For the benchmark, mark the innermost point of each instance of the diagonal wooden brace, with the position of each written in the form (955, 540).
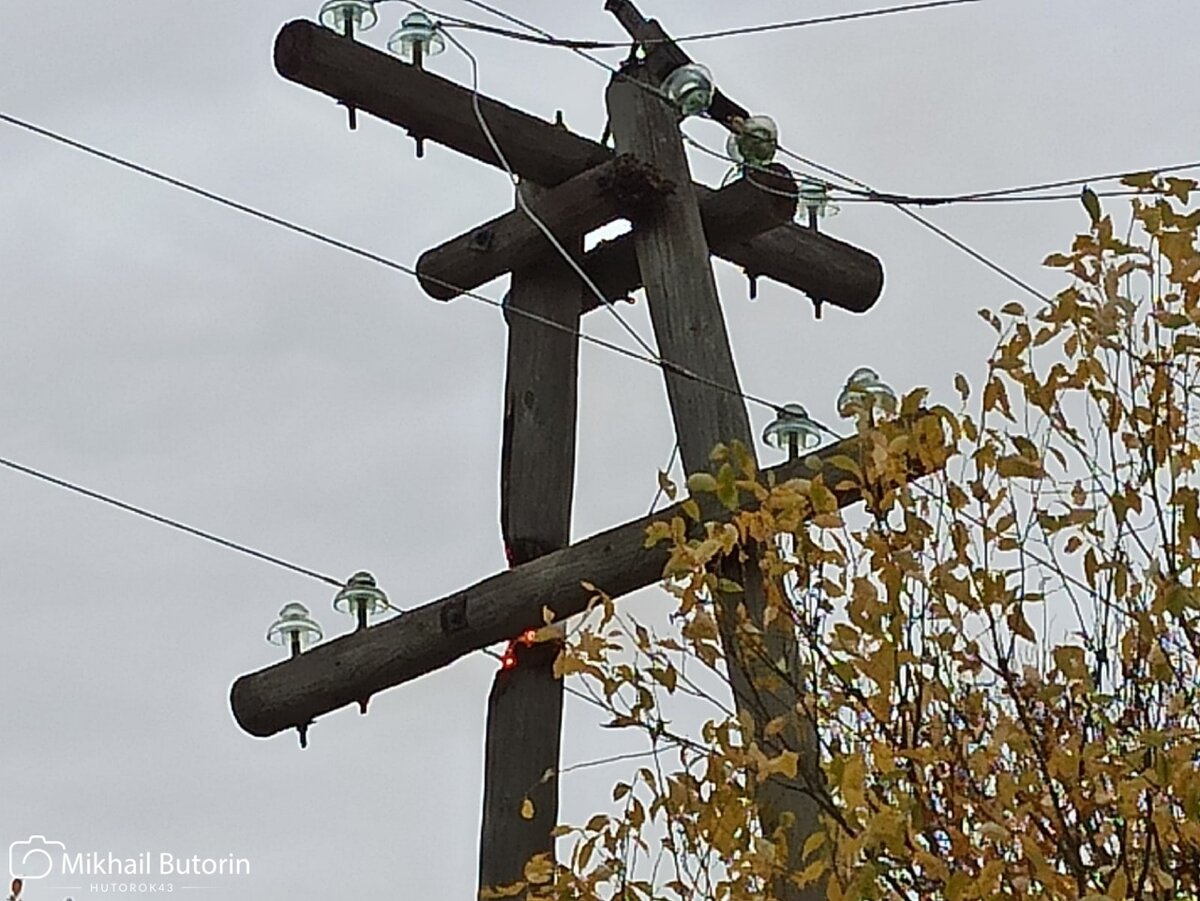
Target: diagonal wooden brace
(358, 665)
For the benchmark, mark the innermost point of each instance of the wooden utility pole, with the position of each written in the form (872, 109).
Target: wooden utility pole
(573, 184)
(690, 328)
(537, 477)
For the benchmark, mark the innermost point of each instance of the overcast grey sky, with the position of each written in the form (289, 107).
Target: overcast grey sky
(285, 394)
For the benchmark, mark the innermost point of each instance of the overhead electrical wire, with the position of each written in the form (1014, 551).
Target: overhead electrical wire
(890, 200)
(1022, 193)
(168, 521)
(1091, 179)
(572, 44)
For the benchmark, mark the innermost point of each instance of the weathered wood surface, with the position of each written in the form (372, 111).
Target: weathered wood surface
(522, 746)
(690, 330)
(514, 241)
(542, 152)
(360, 664)
(736, 213)
(430, 106)
(828, 270)
(537, 456)
(673, 257)
(537, 477)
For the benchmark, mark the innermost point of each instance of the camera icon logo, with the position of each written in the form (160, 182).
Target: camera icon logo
(33, 858)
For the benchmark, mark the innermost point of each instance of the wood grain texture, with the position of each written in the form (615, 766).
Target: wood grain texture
(430, 106)
(522, 746)
(537, 476)
(514, 241)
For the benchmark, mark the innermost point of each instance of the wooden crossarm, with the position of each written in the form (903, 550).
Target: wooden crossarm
(513, 241)
(358, 665)
(741, 210)
(435, 108)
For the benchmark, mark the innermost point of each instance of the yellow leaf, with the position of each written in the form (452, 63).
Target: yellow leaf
(1141, 180)
(1020, 625)
(845, 463)
(786, 764)
(566, 664)
(811, 873)
(526, 809)
(851, 784)
(811, 844)
(539, 870)
(490, 893)
(1015, 466)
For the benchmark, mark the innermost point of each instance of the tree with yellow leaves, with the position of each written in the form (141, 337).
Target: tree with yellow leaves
(1000, 661)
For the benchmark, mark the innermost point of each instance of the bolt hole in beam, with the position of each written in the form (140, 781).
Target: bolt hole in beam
(607, 232)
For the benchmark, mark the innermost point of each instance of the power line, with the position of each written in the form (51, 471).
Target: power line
(1024, 192)
(936, 229)
(572, 44)
(1049, 185)
(657, 362)
(167, 521)
(863, 197)
(508, 17)
(975, 255)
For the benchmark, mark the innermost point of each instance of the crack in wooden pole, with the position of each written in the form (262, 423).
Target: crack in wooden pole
(537, 475)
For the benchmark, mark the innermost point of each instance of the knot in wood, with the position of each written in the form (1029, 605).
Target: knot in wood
(635, 184)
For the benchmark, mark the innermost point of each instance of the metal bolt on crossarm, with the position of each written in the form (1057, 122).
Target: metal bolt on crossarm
(361, 598)
(294, 629)
(347, 17)
(417, 37)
